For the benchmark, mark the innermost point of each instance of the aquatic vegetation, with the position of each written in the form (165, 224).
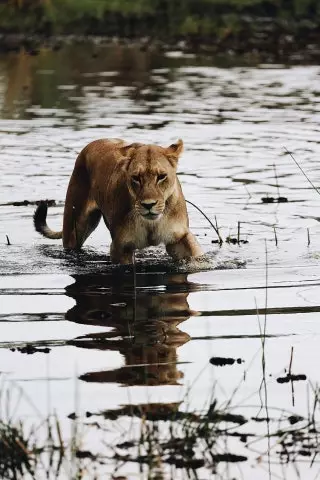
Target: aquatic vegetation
(154, 437)
(16, 457)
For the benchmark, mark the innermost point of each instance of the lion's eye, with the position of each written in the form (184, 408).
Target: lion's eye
(161, 177)
(135, 179)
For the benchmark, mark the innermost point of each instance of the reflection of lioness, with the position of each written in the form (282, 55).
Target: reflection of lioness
(136, 189)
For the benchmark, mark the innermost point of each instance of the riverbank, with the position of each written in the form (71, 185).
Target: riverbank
(250, 51)
(261, 30)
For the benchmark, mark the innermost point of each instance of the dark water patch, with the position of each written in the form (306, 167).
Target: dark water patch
(262, 419)
(30, 349)
(89, 455)
(191, 463)
(292, 378)
(223, 361)
(236, 241)
(293, 419)
(229, 457)
(274, 200)
(26, 203)
(305, 453)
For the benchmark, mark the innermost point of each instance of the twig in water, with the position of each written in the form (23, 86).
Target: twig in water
(8, 241)
(276, 177)
(264, 360)
(249, 194)
(58, 428)
(205, 216)
(292, 385)
(302, 171)
(275, 235)
(263, 384)
(216, 221)
(291, 358)
(308, 233)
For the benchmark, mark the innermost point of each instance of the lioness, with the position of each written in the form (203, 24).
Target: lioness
(136, 190)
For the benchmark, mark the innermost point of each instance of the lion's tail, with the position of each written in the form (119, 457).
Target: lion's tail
(40, 223)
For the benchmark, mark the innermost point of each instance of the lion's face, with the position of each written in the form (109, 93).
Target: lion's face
(151, 177)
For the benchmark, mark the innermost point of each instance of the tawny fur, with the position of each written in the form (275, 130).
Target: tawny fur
(136, 190)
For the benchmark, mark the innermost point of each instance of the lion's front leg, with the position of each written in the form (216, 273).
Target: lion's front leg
(121, 253)
(186, 247)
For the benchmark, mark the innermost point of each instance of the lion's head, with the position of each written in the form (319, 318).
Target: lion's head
(151, 176)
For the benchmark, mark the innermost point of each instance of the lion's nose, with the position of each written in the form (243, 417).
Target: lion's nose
(148, 204)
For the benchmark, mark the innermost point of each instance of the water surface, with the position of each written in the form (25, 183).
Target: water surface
(118, 340)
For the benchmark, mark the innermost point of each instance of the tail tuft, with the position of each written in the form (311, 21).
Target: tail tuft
(40, 222)
(40, 216)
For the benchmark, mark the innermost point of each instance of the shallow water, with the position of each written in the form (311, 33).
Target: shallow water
(118, 339)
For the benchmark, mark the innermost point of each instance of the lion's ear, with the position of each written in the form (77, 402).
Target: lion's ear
(173, 152)
(126, 154)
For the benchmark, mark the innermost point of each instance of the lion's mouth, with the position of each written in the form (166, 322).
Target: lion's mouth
(151, 215)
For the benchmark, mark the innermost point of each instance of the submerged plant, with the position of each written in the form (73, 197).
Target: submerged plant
(16, 457)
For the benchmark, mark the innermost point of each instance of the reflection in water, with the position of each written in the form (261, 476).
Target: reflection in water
(53, 80)
(143, 324)
(18, 88)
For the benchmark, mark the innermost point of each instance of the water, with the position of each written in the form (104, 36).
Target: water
(116, 339)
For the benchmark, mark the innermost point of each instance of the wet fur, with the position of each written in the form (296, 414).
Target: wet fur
(102, 185)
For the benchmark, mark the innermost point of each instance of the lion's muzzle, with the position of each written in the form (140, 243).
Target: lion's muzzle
(149, 209)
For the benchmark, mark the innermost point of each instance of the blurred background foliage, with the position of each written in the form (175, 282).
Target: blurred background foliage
(157, 18)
